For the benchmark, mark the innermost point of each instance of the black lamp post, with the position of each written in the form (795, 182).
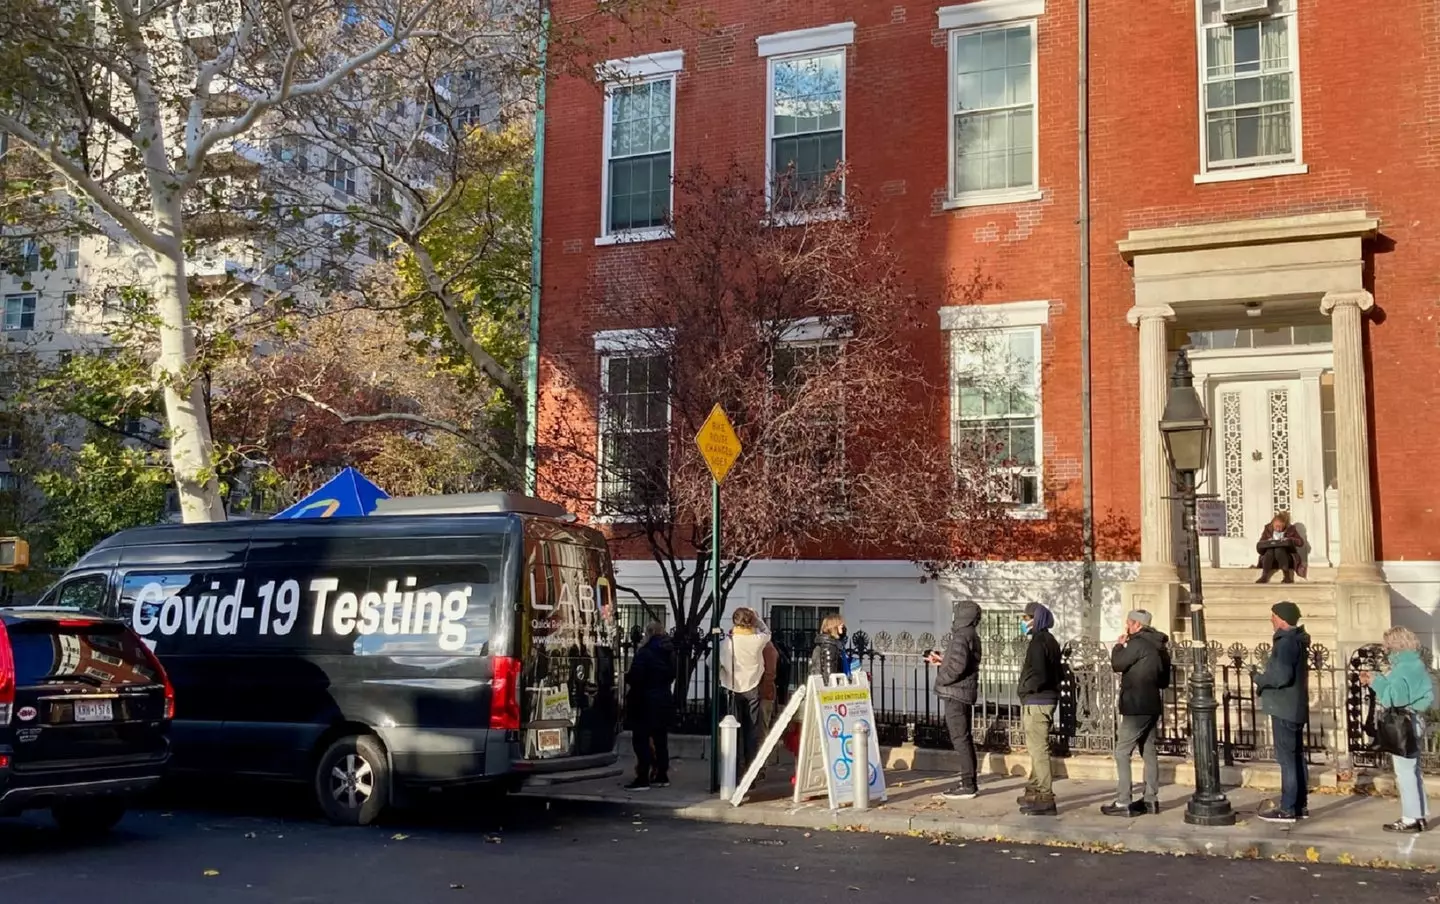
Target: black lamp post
(1186, 429)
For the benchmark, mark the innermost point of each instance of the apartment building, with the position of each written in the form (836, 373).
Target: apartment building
(1250, 198)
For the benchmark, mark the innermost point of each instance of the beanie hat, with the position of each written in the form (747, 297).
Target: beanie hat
(1140, 617)
(1288, 612)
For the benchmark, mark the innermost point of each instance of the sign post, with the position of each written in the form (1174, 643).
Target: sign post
(720, 447)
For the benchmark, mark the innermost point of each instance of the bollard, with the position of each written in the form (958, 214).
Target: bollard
(861, 775)
(729, 741)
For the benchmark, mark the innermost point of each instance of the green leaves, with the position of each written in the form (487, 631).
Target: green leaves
(102, 488)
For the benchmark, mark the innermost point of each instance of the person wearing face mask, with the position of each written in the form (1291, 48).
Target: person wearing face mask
(1039, 691)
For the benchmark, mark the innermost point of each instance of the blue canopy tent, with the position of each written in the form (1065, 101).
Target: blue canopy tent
(346, 495)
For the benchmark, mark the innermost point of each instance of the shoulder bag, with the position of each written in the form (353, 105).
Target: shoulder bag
(1395, 734)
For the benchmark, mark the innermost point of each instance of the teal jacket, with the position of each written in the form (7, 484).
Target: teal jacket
(1408, 683)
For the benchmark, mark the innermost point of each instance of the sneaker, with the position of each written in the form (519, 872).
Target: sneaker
(1278, 815)
(1405, 827)
(660, 781)
(1152, 807)
(1302, 813)
(1129, 811)
(638, 784)
(961, 792)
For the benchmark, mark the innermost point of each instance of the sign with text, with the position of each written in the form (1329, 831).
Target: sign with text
(828, 762)
(1210, 517)
(719, 445)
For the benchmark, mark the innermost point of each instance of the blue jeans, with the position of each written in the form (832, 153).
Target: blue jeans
(1294, 771)
(1411, 784)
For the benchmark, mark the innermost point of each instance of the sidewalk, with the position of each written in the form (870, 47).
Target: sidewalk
(1343, 829)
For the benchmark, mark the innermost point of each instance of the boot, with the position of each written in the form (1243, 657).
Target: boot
(1289, 577)
(1265, 576)
(1041, 805)
(1026, 799)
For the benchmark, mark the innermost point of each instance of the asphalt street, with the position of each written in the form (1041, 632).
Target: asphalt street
(267, 851)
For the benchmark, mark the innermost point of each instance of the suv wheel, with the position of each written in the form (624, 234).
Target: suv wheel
(88, 818)
(352, 780)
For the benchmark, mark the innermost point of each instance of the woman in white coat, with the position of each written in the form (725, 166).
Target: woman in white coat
(742, 668)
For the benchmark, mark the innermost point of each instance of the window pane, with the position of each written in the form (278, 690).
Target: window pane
(808, 94)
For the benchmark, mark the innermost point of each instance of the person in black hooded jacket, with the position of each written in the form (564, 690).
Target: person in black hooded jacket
(650, 703)
(957, 684)
(1039, 691)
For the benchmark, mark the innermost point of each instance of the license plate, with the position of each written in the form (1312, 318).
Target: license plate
(94, 711)
(550, 740)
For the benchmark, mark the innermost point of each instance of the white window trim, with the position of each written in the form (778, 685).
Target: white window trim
(621, 344)
(630, 72)
(1009, 317)
(988, 12)
(1019, 194)
(995, 316)
(815, 330)
(791, 217)
(806, 41)
(1240, 173)
(20, 297)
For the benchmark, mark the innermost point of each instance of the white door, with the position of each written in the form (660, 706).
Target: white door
(1257, 472)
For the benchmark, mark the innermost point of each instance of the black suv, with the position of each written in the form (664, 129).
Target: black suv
(85, 710)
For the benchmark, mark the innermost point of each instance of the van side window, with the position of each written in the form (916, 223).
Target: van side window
(88, 592)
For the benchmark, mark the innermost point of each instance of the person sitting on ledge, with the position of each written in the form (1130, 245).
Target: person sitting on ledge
(1279, 550)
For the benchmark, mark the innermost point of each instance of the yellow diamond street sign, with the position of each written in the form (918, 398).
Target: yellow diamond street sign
(718, 444)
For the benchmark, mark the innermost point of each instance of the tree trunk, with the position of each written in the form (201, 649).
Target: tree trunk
(191, 446)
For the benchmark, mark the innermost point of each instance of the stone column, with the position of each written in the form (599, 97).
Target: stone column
(1157, 543)
(1352, 435)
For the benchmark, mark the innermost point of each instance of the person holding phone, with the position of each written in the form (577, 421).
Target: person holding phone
(1407, 686)
(1279, 550)
(957, 684)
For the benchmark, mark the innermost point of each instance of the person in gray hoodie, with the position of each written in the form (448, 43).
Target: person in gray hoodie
(957, 684)
(1284, 689)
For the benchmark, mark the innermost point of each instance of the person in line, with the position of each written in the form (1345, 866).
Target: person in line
(650, 703)
(1279, 550)
(957, 684)
(1284, 689)
(1407, 685)
(828, 657)
(742, 667)
(1039, 692)
(771, 657)
(1142, 658)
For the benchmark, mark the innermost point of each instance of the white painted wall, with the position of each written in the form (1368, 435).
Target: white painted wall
(1415, 599)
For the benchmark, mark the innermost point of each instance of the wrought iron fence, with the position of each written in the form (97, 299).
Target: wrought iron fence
(1341, 731)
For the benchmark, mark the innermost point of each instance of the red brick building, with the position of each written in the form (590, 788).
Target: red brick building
(1257, 193)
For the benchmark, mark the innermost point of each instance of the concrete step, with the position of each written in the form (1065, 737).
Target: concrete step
(1250, 575)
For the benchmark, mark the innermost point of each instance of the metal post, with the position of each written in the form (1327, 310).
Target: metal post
(729, 756)
(715, 636)
(860, 773)
(1208, 805)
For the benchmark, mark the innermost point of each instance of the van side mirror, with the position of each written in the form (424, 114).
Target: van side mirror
(14, 554)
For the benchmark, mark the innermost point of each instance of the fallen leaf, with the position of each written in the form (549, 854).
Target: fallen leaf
(249, 834)
(457, 885)
(211, 872)
(399, 836)
(1312, 855)
(493, 839)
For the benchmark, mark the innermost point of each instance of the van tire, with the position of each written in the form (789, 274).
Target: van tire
(87, 819)
(352, 780)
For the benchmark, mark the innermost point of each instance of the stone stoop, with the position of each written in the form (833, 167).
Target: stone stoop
(1237, 610)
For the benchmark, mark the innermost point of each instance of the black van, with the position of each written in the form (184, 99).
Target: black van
(471, 641)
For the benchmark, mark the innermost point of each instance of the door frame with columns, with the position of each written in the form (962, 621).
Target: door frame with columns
(1297, 264)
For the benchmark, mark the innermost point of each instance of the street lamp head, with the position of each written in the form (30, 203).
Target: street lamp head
(1185, 425)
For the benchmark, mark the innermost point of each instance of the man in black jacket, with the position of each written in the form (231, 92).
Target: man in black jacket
(650, 703)
(957, 684)
(1039, 691)
(1142, 657)
(1284, 689)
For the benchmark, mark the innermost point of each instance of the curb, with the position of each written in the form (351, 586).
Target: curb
(1239, 843)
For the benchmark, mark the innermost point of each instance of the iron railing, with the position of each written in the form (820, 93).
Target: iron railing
(1341, 732)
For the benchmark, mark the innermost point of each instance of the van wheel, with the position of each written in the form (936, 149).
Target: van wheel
(87, 819)
(352, 781)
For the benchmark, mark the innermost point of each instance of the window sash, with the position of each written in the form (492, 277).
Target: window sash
(631, 163)
(1266, 126)
(805, 128)
(634, 432)
(19, 313)
(1011, 436)
(1001, 96)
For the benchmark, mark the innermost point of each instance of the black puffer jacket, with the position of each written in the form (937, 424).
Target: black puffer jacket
(650, 684)
(828, 657)
(958, 678)
(1143, 662)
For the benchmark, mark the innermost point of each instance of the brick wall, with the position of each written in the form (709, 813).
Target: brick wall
(1369, 137)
